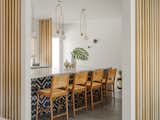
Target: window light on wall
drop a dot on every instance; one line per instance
(55, 54)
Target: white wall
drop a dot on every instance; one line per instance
(26, 58)
(106, 53)
(96, 9)
(128, 59)
(133, 61)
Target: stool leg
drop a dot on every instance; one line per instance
(51, 107)
(103, 90)
(85, 98)
(92, 104)
(113, 93)
(73, 105)
(106, 91)
(101, 93)
(67, 117)
(37, 109)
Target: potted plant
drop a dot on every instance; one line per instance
(79, 54)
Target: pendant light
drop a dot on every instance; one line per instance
(83, 24)
(60, 20)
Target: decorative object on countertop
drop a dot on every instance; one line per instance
(60, 20)
(33, 60)
(119, 80)
(83, 24)
(68, 65)
(35, 64)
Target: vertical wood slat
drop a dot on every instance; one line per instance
(19, 61)
(15, 58)
(7, 57)
(10, 59)
(159, 57)
(45, 38)
(1, 3)
(147, 59)
(4, 58)
(50, 41)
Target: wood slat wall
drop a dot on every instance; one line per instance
(147, 59)
(45, 41)
(10, 59)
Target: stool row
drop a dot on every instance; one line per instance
(60, 87)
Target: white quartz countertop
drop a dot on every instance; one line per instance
(43, 72)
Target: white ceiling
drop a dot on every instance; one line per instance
(96, 9)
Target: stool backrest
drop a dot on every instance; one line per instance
(97, 75)
(60, 81)
(111, 74)
(81, 78)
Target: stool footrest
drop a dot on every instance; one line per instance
(80, 108)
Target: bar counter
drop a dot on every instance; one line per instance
(41, 79)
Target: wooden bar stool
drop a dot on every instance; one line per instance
(110, 81)
(59, 87)
(79, 85)
(96, 82)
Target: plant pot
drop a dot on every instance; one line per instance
(119, 83)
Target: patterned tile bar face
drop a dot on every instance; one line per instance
(59, 103)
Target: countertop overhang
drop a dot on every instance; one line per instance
(43, 72)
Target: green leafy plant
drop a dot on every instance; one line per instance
(80, 54)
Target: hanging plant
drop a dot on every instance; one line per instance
(80, 54)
